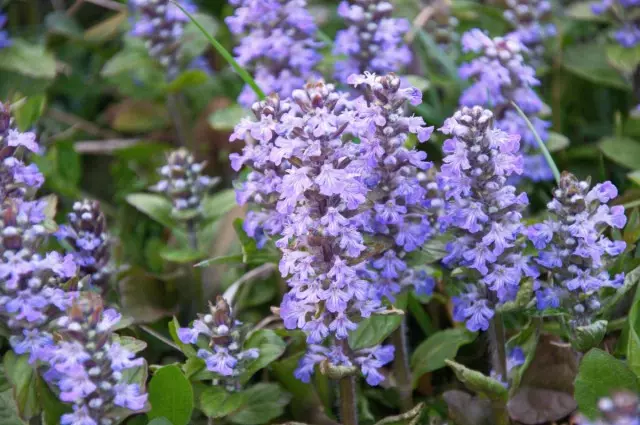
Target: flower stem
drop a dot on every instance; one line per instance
(401, 368)
(348, 407)
(498, 342)
(174, 105)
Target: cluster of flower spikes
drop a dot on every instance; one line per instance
(622, 408)
(530, 18)
(183, 182)
(484, 214)
(625, 12)
(88, 366)
(278, 44)
(31, 293)
(442, 25)
(500, 76)
(399, 212)
(161, 24)
(573, 248)
(225, 355)
(263, 183)
(373, 40)
(5, 40)
(87, 234)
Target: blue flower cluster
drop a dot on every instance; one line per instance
(483, 213)
(88, 366)
(278, 44)
(226, 336)
(500, 76)
(183, 182)
(5, 40)
(574, 249)
(87, 234)
(625, 12)
(161, 23)
(530, 19)
(373, 40)
(31, 293)
(399, 211)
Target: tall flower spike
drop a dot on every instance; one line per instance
(625, 12)
(573, 247)
(373, 40)
(622, 408)
(278, 44)
(484, 214)
(87, 234)
(31, 293)
(183, 182)
(500, 76)
(88, 365)
(262, 186)
(225, 355)
(532, 26)
(398, 214)
(161, 23)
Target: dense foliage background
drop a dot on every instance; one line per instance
(107, 117)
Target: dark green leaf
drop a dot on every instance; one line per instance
(8, 409)
(588, 337)
(52, 407)
(264, 402)
(373, 330)
(215, 402)
(160, 421)
(144, 297)
(29, 111)
(181, 255)
(63, 24)
(23, 379)
(601, 374)
(479, 383)
(107, 29)
(271, 347)
(27, 59)
(621, 150)
(441, 346)
(557, 142)
(171, 396)
(218, 204)
(155, 206)
(193, 41)
(187, 79)
(633, 344)
(589, 61)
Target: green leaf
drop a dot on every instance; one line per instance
(600, 375)
(633, 344)
(304, 394)
(418, 82)
(271, 347)
(139, 116)
(623, 59)
(155, 206)
(52, 407)
(187, 79)
(225, 119)
(557, 142)
(132, 344)
(589, 61)
(582, 11)
(193, 42)
(264, 402)
(63, 24)
(8, 410)
(224, 259)
(23, 379)
(373, 330)
(171, 396)
(31, 60)
(527, 340)
(478, 382)
(181, 255)
(621, 150)
(29, 111)
(432, 251)
(630, 281)
(410, 417)
(160, 421)
(107, 29)
(144, 297)
(215, 402)
(439, 347)
(588, 337)
(218, 204)
(632, 229)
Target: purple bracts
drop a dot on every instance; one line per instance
(484, 214)
(277, 44)
(499, 77)
(573, 248)
(373, 40)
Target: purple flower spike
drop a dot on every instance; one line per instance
(625, 12)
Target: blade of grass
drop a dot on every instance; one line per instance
(324, 38)
(541, 145)
(438, 54)
(225, 54)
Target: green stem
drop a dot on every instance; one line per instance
(499, 355)
(225, 54)
(348, 409)
(159, 336)
(401, 368)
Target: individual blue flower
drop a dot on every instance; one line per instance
(484, 214)
(574, 247)
(500, 76)
(373, 40)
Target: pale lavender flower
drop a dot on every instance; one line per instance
(499, 77)
(87, 366)
(277, 44)
(373, 40)
(484, 213)
(574, 249)
(532, 26)
(226, 336)
(625, 13)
